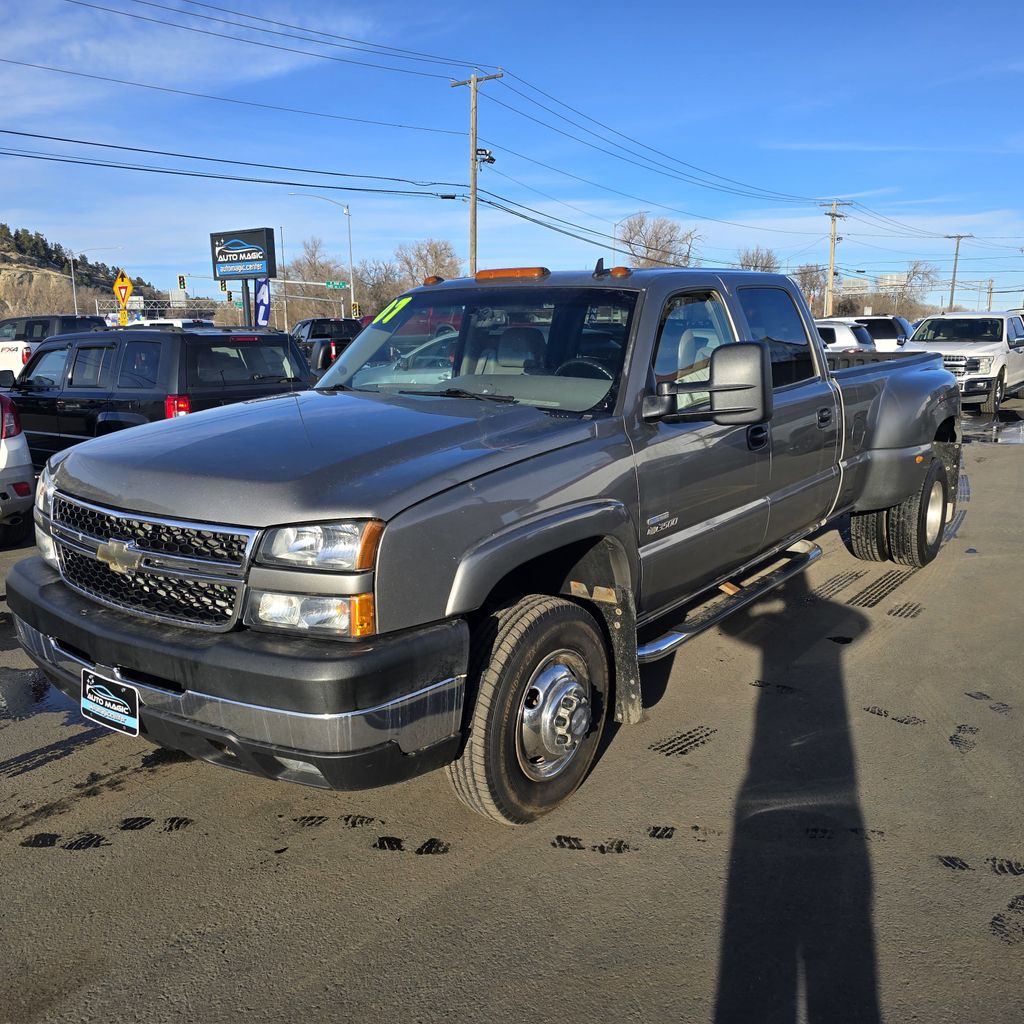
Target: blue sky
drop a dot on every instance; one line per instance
(912, 110)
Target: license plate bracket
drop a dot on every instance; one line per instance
(110, 702)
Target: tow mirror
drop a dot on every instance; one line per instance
(740, 386)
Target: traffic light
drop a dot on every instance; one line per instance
(223, 286)
(181, 282)
(228, 295)
(355, 310)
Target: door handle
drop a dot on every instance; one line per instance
(61, 405)
(824, 416)
(757, 437)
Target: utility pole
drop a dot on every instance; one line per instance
(990, 283)
(474, 155)
(835, 215)
(956, 259)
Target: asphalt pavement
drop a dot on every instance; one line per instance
(818, 819)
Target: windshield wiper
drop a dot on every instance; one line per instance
(335, 387)
(463, 393)
(276, 379)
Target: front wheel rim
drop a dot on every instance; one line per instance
(934, 513)
(554, 717)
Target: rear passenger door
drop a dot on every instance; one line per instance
(86, 393)
(1015, 358)
(139, 394)
(805, 425)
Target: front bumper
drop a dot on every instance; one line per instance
(324, 713)
(975, 389)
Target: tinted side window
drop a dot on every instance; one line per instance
(692, 327)
(880, 329)
(37, 330)
(8, 331)
(140, 365)
(773, 318)
(828, 335)
(87, 371)
(46, 370)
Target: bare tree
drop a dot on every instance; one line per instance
(377, 283)
(810, 277)
(658, 242)
(758, 258)
(429, 256)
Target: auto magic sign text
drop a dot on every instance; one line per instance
(245, 253)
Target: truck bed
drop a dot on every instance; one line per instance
(845, 359)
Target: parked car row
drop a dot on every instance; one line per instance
(19, 334)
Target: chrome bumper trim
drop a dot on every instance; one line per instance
(413, 721)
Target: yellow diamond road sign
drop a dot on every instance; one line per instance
(122, 288)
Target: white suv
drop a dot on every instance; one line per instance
(985, 351)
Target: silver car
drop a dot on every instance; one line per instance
(841, 334)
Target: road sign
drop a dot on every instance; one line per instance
(355, 309)
(335, 284)
(237, 305)
(122, 288)
(178, 297)
(122, 317)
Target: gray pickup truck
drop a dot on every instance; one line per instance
(466, 567)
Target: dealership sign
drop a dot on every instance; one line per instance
(243, 254)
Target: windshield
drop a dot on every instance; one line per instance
(553, 348)
(982, 329)
(233, 360)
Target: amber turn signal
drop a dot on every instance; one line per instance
(512, 272)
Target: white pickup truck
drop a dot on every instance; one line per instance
(984, 351)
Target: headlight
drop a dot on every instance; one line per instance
(339, 546)
(47, 549)
(320, 615)
(984, 364)
(44, 492)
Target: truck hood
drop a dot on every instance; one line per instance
(970, 349)
(308, 456)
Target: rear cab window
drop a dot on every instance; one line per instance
(234, 360)
(773, 318)
(880, 330)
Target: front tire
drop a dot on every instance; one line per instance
(992, 404)
(541, 673)
(916, 525)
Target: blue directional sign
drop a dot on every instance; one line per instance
(262, 302)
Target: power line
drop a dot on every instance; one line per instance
(255, 42)
(182, 173)
(229, 99)
(767, 193)
(394, 50)
(224, 160)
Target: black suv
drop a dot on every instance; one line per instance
(78, 386)
(322, 339)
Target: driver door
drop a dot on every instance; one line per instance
(36, 394)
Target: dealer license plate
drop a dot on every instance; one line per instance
(110, 703)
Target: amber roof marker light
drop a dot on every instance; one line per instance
(512, 273)
(433, 279)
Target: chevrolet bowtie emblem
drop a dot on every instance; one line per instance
(119, 556)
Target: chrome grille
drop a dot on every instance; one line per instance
(190, 574)
(179, 540)
(955, 364)
(195, 602)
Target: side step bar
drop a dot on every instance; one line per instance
(798, 557)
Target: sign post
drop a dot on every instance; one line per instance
(244, 255)
(123, 289)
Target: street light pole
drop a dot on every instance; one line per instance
(74, 288)
(351, 267)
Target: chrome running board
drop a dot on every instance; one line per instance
(797, 558)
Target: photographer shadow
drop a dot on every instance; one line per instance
(798, 939)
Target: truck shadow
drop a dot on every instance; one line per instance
(798, 939)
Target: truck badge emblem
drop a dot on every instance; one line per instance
(119, 557)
